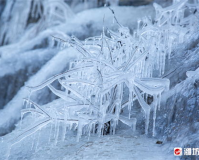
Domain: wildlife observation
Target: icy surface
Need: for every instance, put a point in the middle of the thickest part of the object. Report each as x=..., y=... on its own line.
x=123, y=145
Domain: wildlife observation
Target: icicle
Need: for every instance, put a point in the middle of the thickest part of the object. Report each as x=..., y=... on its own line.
x=27, y=104
x=64, y=127
x=36, y=147
x=79, y=131
x=114, y=126
x=130, y=103
x=134, y=124
x=89, y=130
x=159, y=101
x=93, y=128
x=57, y=133
x=70, y=125
x=147, y=116
x=33, y=142
x=56, y=122
x=51, y=125
x=155, y=105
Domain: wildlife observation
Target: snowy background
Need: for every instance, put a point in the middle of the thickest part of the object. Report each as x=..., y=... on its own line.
x=27, y=58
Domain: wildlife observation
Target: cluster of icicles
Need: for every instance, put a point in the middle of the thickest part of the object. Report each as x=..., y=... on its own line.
x=92, y=90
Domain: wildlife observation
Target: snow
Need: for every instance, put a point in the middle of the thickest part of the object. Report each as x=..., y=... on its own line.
x=181, y=110
x=123, y=145
x=192, y=76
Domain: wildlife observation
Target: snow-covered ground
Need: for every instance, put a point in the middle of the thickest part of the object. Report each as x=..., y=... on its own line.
x=125, y=145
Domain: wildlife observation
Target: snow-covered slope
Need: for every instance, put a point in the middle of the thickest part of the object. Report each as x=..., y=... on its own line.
x=91, y=21
x=125, y=145
x=178, y=121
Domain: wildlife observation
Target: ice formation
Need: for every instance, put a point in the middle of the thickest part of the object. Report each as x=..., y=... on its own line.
x=91, y=92
x=47, y=13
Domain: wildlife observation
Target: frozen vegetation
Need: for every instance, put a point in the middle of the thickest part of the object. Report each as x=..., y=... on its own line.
x=81, y=25
x=134, y=72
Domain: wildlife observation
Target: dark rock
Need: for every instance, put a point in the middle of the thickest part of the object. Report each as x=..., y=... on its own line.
x=159, y=142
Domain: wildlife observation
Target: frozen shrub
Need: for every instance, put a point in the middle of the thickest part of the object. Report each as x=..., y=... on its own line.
x=21, y=17
x=92, y=90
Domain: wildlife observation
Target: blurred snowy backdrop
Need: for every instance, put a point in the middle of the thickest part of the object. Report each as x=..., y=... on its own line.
x=27, y=58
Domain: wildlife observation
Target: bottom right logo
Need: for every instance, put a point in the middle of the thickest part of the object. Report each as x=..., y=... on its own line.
x=187, y=151
x=177, y=151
